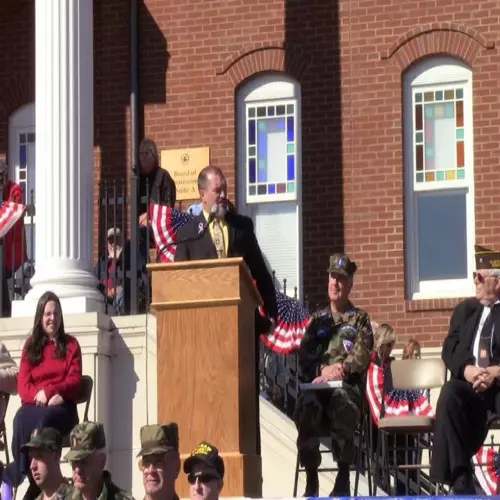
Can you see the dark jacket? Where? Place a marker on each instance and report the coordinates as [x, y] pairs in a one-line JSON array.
[[162, 189], [458, 345], [123, 275], [242, 243]]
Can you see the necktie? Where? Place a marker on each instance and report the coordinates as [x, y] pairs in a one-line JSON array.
[[484, 351], [218, 237]]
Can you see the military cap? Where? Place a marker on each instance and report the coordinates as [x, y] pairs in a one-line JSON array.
[[486, 258], [85, 439], [207, 454], [159, 439], [341, 264], [44, 439]]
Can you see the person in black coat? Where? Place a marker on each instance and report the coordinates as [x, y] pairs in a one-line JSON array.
[[471, 352], [237, 237], [228, 235]]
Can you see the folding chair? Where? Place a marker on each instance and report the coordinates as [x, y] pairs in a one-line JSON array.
[[407, 374], [361, 460]]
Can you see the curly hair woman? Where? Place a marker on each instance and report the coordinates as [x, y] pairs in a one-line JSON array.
[[48, 383]]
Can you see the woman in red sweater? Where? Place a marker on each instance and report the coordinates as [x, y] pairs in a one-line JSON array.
[[48, 384]]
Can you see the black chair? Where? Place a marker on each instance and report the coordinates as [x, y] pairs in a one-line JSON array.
[[361, 462], [3, 431], [84, 397]]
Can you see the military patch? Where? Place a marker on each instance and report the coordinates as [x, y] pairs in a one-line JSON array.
[[348, 331], [347, 345], [321, 332]]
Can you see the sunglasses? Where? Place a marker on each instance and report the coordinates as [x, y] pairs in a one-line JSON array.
[[203, 477], [480, 277]]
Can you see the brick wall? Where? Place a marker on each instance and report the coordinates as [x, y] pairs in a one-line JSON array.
[[349, 57]]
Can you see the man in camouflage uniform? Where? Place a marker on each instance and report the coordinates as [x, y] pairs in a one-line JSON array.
[[160, 461], [44, 449], [336, 346], [88, 459]]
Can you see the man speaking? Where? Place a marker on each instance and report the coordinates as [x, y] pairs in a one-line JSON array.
[[217, 233], [227, 235]]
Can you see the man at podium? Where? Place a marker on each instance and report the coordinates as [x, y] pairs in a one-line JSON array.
[[217, 233]]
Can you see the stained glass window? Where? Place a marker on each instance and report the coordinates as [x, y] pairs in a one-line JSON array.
[[271, 149], [22, 172], [439, 135]]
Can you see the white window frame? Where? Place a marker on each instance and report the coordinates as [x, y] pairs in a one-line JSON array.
[[270, 88], [21, 121], [435, 74]]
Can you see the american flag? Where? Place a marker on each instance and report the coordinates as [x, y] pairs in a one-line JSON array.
[[166, 222], [487, 469], [10, 213], [290, 325]]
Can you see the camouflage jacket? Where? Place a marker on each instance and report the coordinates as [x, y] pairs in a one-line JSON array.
[[332, 337], [62, 492], [109, 491]]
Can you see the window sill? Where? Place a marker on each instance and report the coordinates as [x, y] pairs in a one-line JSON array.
[[438, 304]]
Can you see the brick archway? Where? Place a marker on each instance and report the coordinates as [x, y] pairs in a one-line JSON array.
[[434, 39], [257, 58]]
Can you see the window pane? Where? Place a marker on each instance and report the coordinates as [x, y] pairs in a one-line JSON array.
[[442, 235], [271, 161], [439, 135]]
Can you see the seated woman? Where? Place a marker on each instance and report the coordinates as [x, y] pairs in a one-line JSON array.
[[48, 384]]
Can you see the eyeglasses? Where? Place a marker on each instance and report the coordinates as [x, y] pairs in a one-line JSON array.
[[203, 477], [480, 277]]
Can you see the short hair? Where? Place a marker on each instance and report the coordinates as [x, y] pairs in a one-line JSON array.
[[205, 172]]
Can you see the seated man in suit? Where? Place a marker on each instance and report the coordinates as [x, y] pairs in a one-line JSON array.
[[228, 235], [471, 352]]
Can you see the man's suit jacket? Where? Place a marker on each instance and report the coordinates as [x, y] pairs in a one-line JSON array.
[[242, 243], [458, 346]]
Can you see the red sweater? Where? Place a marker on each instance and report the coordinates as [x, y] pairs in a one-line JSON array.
[[15, 239], [53, 375]]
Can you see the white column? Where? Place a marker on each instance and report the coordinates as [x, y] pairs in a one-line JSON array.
[[64, 157]]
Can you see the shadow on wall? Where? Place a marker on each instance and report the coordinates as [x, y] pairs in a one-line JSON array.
[[112, 87], [122, 398], [313, 28]]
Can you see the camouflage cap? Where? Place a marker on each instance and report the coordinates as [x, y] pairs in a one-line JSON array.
[[159, 439], [205, 453], [85, 439], [45, 439], [341, 264], [486, 258]]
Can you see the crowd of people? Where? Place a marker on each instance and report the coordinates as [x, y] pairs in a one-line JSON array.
[[338, 344], [48, 381]]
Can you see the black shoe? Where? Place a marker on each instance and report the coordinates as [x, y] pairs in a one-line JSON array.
[[312, 484], [464, 485], [342, 487]]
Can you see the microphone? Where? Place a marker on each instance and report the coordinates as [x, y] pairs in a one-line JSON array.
[[202, 229]]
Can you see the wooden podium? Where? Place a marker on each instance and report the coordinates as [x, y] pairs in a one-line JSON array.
[[206, 364]]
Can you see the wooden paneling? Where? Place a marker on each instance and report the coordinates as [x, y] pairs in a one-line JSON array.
[[206, 351]]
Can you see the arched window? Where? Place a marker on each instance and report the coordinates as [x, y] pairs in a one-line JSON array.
[[269, 171], [439, 179]]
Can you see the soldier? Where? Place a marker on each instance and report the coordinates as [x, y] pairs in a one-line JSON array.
[[205, 470], [88, 459], [44, 449], [160, 463], [336, 346]]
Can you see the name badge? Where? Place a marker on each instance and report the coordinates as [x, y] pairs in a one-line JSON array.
[[483, 353]]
